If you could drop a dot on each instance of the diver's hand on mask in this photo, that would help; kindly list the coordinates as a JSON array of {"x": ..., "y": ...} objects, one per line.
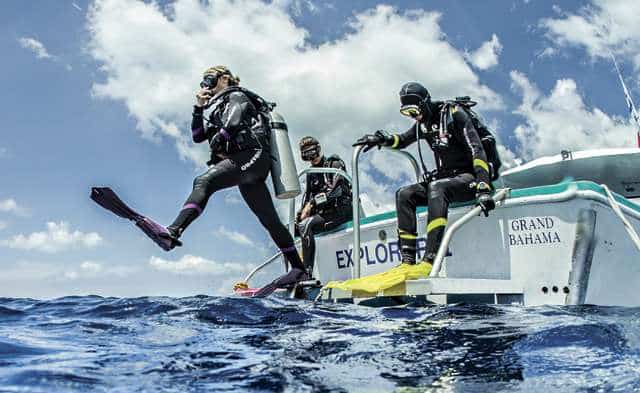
[
  {"x": 379, "y": 138},
  {"x": 483, "y": 196},
  {"x": 202, "y": 97}
]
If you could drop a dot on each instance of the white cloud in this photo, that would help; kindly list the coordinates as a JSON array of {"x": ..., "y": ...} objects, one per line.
[
  {"x": 232, "y": 196},
  {"x": 508, "y": 158},
  {"x": 195, "y": 265},
  {"x": 234, "y": 236},
  {"x": 11, "y": 206},
  {"x": 76, "y": 6},
  {"x": 91, "y": 267},
  {"x": 4, "y": 152},
  {"x": 486, "y": 56},
  {"x": 337, "y": 90},
  {"x": 563, "y": 121},
  {"x": 547, "y": 52},
  {"x": 36, "y": 47},
  {"x": 3, "y": 225},
  {"x": 92, "y": 270},
  {"x": 56, "y": 238},
  {"x": 598, "y": 27}
]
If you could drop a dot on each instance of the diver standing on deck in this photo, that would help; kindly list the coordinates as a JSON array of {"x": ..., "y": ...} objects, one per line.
[
  {"x": 327, "y": 199},
  {"x": 462, "y": 173}
]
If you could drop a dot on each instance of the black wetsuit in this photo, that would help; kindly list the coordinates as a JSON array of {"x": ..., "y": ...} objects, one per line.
[
  {"x": 333, "y": 212},
  {"x": 240, "y": 157},
  {"x": 460, "y": 160}
]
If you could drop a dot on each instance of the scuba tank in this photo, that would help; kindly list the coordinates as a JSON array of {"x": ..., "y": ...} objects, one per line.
[{"x": 283, "y": 166}]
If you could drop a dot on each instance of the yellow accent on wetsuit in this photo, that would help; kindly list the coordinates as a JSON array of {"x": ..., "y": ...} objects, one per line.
[
  {"x": 482, "y": 164},
  {"x": 396, "y": 141},
  {"x": 436, "y": 223}
]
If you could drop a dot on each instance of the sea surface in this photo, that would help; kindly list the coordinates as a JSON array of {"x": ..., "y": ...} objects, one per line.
[{"x": 206, "y": 344}]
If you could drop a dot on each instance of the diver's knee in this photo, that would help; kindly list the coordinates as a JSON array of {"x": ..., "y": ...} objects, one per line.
[
  {"x": 403, "y": 195},
  {"x": 200, "y": 182},
  {"x": 437, "y": 188}
]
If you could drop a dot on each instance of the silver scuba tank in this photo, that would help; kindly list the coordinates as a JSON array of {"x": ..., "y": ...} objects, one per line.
[{"x": 283, "y": 166}]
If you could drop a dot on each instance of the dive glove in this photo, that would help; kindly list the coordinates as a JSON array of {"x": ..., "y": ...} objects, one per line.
[
  {"x": 379, "y": 138},
  {"x": 483, "y": 196}
]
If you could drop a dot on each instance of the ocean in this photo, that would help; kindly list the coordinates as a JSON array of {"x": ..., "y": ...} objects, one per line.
[{"x": 206, "y": 344}]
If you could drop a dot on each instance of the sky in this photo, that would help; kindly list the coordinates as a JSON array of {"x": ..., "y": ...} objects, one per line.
[{"x": 101, "y": 92}]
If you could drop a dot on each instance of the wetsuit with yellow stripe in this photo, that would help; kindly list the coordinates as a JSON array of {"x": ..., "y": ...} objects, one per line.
[{"x": 460, "y": 163}]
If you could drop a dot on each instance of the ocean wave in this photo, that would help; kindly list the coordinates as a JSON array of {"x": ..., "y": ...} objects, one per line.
[{"x": 237, "y": 344}]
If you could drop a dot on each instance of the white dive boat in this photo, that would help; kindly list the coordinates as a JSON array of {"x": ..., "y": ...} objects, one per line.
[{"x": 563, "y": 233}]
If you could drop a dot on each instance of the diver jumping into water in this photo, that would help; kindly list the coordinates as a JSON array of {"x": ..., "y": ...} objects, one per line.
[{"x": 240, "y": 156}]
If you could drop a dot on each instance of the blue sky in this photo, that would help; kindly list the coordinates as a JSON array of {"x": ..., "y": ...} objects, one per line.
[{"x": 101, "y": 93}]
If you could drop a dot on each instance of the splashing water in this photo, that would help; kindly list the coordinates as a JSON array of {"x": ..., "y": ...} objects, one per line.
[{"x": 234, "y": 344}]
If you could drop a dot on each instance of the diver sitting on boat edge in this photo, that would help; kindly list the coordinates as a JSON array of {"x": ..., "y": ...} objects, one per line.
[
  {"x": 327, "y": 199},
  {"x": 463, "y": 170}
]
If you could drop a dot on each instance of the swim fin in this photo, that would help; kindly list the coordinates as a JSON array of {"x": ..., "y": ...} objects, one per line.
[
  {"x": 288, "y": 279},
  {"x": 105, "y": 197}
]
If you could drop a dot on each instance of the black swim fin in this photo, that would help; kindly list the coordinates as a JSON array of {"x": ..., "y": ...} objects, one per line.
[
  {"x": 288, "y": 279},
  {"x": 105, "y": 197}
]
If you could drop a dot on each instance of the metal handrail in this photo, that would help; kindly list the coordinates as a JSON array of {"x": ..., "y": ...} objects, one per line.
[
  {"x": 453, "y": 228},
  {"x": 355, "y": 202},
  {"x": 261, "y": 266},
  {"x": 627, "y": 225},
  {"x": 292, "y": 214},
  {"x": 355, "y": 186}
]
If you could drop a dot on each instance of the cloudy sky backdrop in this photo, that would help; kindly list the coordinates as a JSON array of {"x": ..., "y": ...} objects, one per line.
[{"x": 100, "y": 93}]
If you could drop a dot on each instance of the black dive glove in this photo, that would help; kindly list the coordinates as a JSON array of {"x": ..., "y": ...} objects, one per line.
[
  {"x": 379, "y": 138},
  {"x": 483, "y": 196}
]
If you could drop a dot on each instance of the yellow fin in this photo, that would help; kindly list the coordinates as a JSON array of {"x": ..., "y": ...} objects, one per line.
[{"x": 384, "y": 281}]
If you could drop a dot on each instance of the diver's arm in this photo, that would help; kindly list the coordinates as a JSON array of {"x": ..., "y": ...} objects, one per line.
[
  {"x": 307, "y": 192},
  {"x": 400, "y": 141},
  {"x": 235, "y": 114},
  {"x": 465, "y": 131},
  {"x": 335, "y": 188},
  {"x": 198, "y": 132}
]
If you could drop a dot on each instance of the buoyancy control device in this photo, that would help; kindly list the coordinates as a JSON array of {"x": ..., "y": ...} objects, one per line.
[
  {"x": 486, "y": 136},
  {"x": 284, "y": 174}
]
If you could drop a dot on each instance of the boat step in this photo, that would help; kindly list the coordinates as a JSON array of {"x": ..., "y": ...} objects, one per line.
[
  {"x": 439, "y": 286},
  {"x": 461, "y": 286}
]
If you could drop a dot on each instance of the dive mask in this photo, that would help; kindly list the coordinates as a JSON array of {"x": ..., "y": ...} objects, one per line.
[
  {"x": 209, "y": 82},
  {"x": 310, "y": 154},
  {"x": 411, "y": 111}
]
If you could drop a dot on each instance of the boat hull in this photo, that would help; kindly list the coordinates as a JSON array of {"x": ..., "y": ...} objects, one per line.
[{"x": 560, "y": 244}]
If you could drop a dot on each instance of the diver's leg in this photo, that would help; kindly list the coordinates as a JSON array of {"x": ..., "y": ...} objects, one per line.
[
  {"x": 441, "y": 193},
  {"x": 257, "y": 197},
  {"x": 407, "y": 200},
  {"x": 224, "y": 174},
  {"x": 307, "y": 229}
]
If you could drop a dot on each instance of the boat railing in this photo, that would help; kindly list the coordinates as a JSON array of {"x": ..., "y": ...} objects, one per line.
[
  {"x": 355, "y": 185},
  {"x": 498, "y": 197}
]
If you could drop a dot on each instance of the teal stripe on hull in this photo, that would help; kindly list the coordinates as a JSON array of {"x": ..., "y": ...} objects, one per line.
[{"x": 582, "y": 185}]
